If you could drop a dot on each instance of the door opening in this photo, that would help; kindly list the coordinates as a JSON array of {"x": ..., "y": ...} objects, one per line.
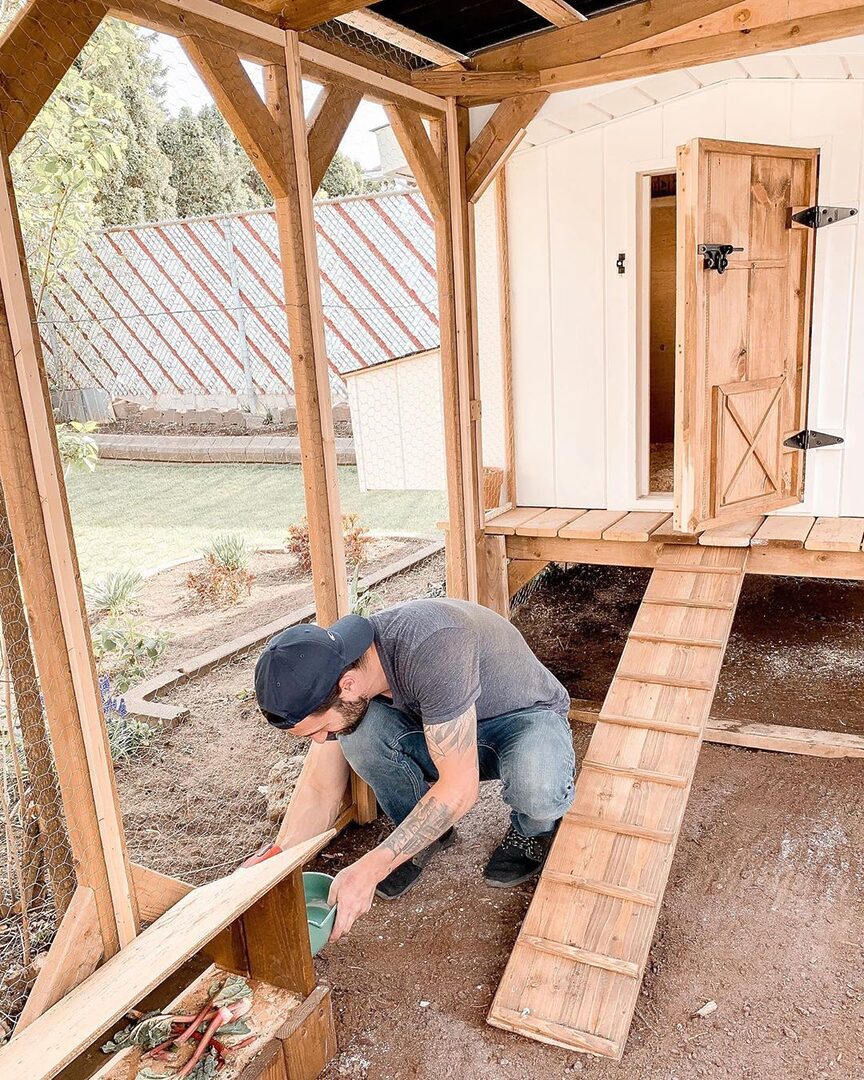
[{"x": 660, "y": 286}]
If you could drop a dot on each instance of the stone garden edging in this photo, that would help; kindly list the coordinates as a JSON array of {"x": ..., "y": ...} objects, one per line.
[{"x": 213, "y": 449}]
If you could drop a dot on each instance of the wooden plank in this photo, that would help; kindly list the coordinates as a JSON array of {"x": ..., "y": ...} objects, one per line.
[
  {"x": 156, "y": 892},
  {"x": 379, "y": 26},
  {"x": 557, "y": 12},
  {"x": 497, "y": 140},
  {"x": 69, "y": 1027},
  {"x": 496, "y": 593},
  {"x": 31, "y": 475},
  {"x": 668, "y": 534},
  {"x": 298, "y": 250},
  {"x": 420, "y": 155},
  {"x": 276, "y": 934},
  {"x": 521, "y": 571},
  {"x": 74, "y": 955},
  {"x": 34, "y": 57},
  {"x": 326, "y": 125},
  {"x": 536, "y": 1027},
  {"x": 778, "y": 738},
  {"x": 301, "y": 14},
  {"x": 506, "y": 524},
  {"x": 621, "y": 830},
  {"x": 592, "y": 525},
  {"x": 836, "y": 534},
  {"x": 636, "y": 527},
  {"x": 841, "y": 565},
  {"x": 226, "y": 79},
  {"x": 736, "y": 534},
  {"x": 309, "y": 1036},
  {"x": 782, "y": 531},
  {"x": 549, "y": 522}
]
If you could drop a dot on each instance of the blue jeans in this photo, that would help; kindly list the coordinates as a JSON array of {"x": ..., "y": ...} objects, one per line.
[{"x": 530, "y": 751}]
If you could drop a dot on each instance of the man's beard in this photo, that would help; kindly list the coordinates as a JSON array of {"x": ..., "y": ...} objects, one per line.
[{"x": 353, "y": 712}]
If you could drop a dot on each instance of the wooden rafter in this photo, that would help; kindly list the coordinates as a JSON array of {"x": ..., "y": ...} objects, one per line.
[
  {"x": 420, "y": 155},
  {"x": 235, "y": 95},
  {"x": 378, "y": 26},
  {"x": 36, "y": 51},
  {"x": 498, "y": 139},
  {"x": 594, "y": 38},
  {"x": 557, "y": 12},
  {"x": 326, "y": 126},
  {"x": 303, "y": 14}
]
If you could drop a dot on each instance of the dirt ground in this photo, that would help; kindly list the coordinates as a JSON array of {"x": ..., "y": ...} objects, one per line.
[
  {"x": 279, "y": 587},
  {"x": 763, "y": 913}
]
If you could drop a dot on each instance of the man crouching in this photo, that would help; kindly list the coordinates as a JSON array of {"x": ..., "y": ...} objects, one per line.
[{"x": 423, "y": 700}]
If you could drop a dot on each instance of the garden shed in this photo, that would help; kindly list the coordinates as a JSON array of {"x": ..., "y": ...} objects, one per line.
[{"x": 726, "y": 114}]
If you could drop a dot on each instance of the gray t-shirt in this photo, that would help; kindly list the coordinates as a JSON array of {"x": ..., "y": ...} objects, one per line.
[{"x": 442, "y": 656}]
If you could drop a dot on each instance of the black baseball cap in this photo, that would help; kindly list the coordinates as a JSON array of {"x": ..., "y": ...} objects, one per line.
[{"x": 300, "y": 667}]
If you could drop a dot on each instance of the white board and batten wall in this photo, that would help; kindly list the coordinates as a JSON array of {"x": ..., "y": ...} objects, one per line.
[{"x": 573, "y": 207}]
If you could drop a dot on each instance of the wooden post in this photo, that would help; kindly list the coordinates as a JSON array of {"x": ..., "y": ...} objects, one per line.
[
  {"x": 496, "y": 594},
  {"x": 295, "y": 222},
  {"x": 41, "y": 531}
]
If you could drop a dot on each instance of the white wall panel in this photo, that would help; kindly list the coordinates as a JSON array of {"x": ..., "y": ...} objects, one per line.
[
  {"x": 576, "y": 289},
  {"x": 531, "y": 327},
  {"x": 571, "y": 214}
]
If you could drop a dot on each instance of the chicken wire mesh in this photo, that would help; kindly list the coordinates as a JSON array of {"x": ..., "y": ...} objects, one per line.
[
  {"x": 375, "y": 47},
  {"x": 37, "y": 875}
]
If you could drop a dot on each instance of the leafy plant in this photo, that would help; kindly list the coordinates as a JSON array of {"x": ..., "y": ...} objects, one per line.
[
  {"x": 354, "y": 535},
  {"x": 126, "y": 735},
  {"x": 79, "y": 451},
  {"x": 126, "y": 651},
  {"x": 365, "y": 602},
  {"x": 116, "y": 594},
  {"x": 225, "y": 576}
]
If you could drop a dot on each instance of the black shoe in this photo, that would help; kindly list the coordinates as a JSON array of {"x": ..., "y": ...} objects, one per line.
[
  {"x": 517, "y": 858},
  {"x": 401, "y": 879}
]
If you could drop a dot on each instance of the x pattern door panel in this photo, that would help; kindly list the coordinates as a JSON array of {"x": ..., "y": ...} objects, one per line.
[{"x": 743, "y": 336}]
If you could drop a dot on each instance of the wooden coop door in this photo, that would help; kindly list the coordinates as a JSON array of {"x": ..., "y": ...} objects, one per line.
[{"x": 743, "y": 334}]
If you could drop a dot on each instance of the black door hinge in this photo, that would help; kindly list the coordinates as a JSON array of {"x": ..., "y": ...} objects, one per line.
[
  {"x": 811, "y": 440},
  {"x": 716, "y": 256},
  {"x": 817, "y": 217}
]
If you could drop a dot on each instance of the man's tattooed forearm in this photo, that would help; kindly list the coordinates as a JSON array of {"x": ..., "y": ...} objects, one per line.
[{"x": 426, "y": 822}]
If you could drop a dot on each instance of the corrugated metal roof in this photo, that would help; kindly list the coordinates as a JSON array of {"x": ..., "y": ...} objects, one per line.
[{"x": 198, "y": 305}]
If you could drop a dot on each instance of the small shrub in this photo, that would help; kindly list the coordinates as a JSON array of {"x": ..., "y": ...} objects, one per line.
[
  {"x": 225, "y": 576},
  {"x": 126, "y": 651},
  {"x": 365, "y": 602},
  {"x": 354, "y": 534},
  {"x": 116, "y": 594},
  {"x": 78, "y": 448},
  {"x": 126, "y": 735}
]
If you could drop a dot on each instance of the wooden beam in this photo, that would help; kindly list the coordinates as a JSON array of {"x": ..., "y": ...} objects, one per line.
[
  {"x": 74, "y": 955},
  {"x": 378, "y": 26},
  {"x": 303, "y": 14},
  {"x": 303, "y": 306},
  {"x": 326, "y": 126},
  {"x": 496, "y": 594},
  {"x": 37, "y": 49},
  {"x": 787, "y": 34},
  {"x": 420, "y": 155},
  {"x": 497, "y": 140},
  {"x": 488, "y": 85},
  {"x": 598, "y": 36},
  {"x": 41, "y": 529},
  {"x": 156, "y": 892},
  {"x": 521, "y": 571},
  {"x": 774, "y": 737},
  {"x": 239, "y": 102},
  {"x": 309, "y": 1036},
  {"x": 276, "y": 934},
  {"x": 557, "y": 12}
]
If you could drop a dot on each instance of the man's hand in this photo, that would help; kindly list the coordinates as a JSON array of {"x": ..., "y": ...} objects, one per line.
[
  {"x": 266, "y": 851},
  {"x": 352, "y": 891}
]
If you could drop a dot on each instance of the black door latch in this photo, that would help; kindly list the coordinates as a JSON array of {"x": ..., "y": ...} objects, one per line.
[{"x": 716, "y": 256}]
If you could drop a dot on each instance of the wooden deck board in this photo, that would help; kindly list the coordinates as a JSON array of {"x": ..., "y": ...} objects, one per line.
[
  {"x": 636, "y": 527},
  {"x": 836, "y": 534},
  {"x": 549, "y": 522},
  {"x": 591, "y": 525},
  {"x": 570, "y": 979},
  {"x": 783, "y": 531}
]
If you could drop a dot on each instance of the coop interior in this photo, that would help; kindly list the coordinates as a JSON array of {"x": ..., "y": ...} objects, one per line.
[{"x": 285, "y": 295}]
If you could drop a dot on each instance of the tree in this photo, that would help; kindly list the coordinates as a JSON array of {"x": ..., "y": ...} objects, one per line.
[
  {"x": 343, "y": 177},
  {"x": 211, "y": 172}
]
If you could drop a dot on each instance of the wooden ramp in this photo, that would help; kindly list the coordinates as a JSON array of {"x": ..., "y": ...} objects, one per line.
[{"x": 574, "y": 976}]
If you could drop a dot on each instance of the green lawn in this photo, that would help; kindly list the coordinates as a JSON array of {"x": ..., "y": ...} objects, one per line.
[{"x": 143, "y": 514}]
